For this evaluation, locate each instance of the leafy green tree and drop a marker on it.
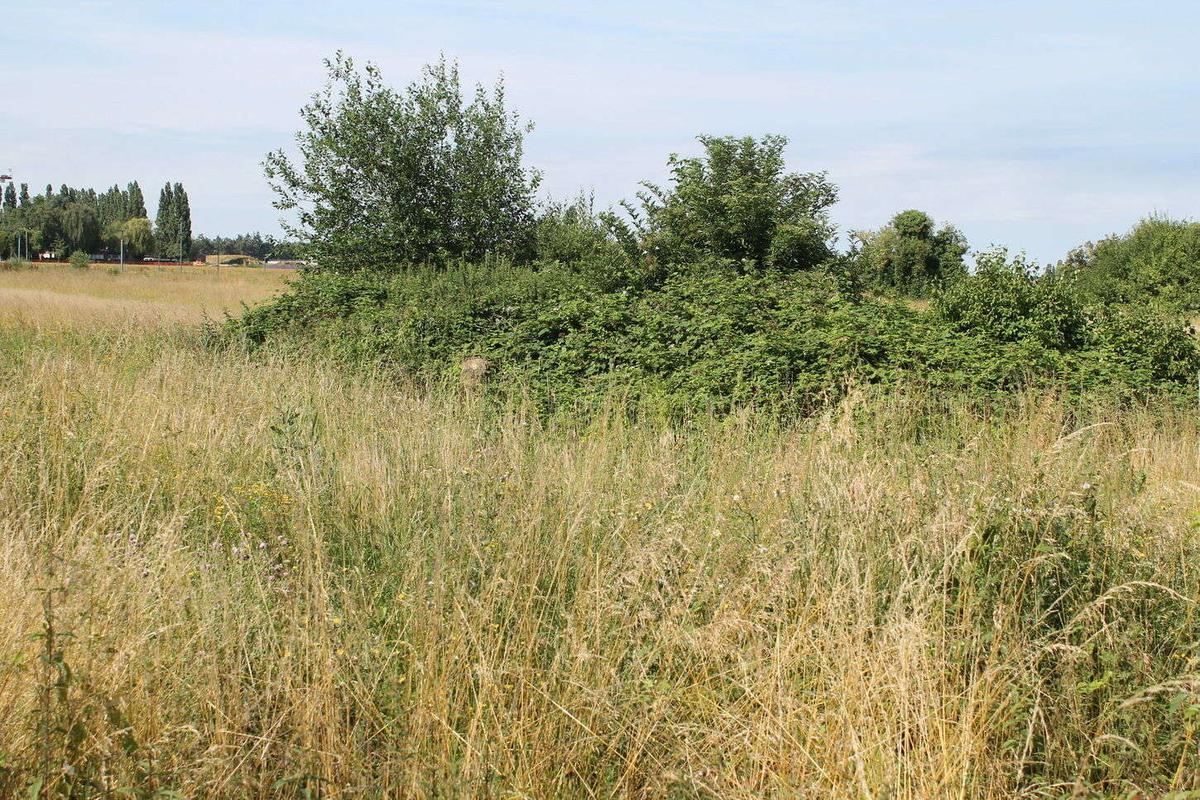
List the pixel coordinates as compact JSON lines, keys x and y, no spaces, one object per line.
{"x":42,"y":219}
{"x":80,"y":228}
{"x":139,"y":239}
{"x":737,"y":202}
{"x":909,"y":255}
{"x":183,"y":219}
{"x":1158,"y":258}
{"x":10,"y":197}
{"x":135,"y":205}
{"x":24,"y":195}
{"x":167,"y":224}
{"x":136,"y":235}
{"x":388,"y":177}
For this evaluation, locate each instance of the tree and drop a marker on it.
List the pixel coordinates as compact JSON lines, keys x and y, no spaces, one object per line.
{"x":24,"y":196}
{"x":183,"y":220}
{"x":135,"y":234}
{"x":135,"y":205}
{"x":737,"y":202}
{"x":1159,"y":258}
{"x":10,"y":197}
{"x":166,"y":224}
{"x":909,"y":255}
{"x":389,"y":177}
{"x":80,"y":228}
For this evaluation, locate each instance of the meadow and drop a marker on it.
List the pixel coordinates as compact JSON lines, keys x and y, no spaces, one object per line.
{"x":225,"y":575}
{"x":57,"y":295}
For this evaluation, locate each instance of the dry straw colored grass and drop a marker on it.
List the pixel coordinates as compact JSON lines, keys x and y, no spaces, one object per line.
{"x":269,"y":578}
{"x":57,"y":295}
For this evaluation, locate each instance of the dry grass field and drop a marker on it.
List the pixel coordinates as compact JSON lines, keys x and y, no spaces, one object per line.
{"x":57,"y":295}
{"x":224,"y":576}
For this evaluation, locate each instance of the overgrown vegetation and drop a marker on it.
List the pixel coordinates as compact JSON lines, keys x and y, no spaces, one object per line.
{"x":910,"y":256}
{"x":720,"y":288}
{"x":226,"y":578}
{"x":1159,"y":258}
{"x":881,"y":525}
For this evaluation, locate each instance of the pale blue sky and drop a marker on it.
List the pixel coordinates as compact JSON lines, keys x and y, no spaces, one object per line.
{"x":1037,"y":125}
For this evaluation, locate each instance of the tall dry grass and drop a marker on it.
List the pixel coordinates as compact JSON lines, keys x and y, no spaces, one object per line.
{"x":235,"y":578}
{"x":57,"y":296}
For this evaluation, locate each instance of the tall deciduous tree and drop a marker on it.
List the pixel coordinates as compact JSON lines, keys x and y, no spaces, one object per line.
{"x":10,"y":197}
{"x":183,"y":218}
{"x":388,"y":177}
{"x":166,"y":224}
{"x":135,"y":206}
{"x":80,"y":228}
{"x":910,"y":255}
{"x":139,"y":239}
{"x":737,"y":202}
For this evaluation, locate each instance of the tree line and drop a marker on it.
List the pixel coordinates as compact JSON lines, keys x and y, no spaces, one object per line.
{"x":99,"y":223}
{"x":254,"y":244}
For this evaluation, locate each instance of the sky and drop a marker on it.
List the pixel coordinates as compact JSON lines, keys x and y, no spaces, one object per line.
{"x":1033,"y":125}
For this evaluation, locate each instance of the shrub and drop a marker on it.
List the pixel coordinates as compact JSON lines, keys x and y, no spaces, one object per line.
{"x":80,"y":260}
{"x":909,"y":256}
{"x":1159,"y":258}
{"x":572,"y":234}
{"x":1141,"y":347}
{"x":711,"y":337}
{"x":1006,"y":301}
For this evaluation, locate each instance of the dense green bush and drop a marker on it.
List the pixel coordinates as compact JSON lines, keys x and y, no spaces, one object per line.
{"x":576,"y":237}
{"x":1159,"y":258}
{"x":908,"y":255}
{"x":80,"y":260}
{"x":712,"y":336}
{"x":1007,"y":301}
